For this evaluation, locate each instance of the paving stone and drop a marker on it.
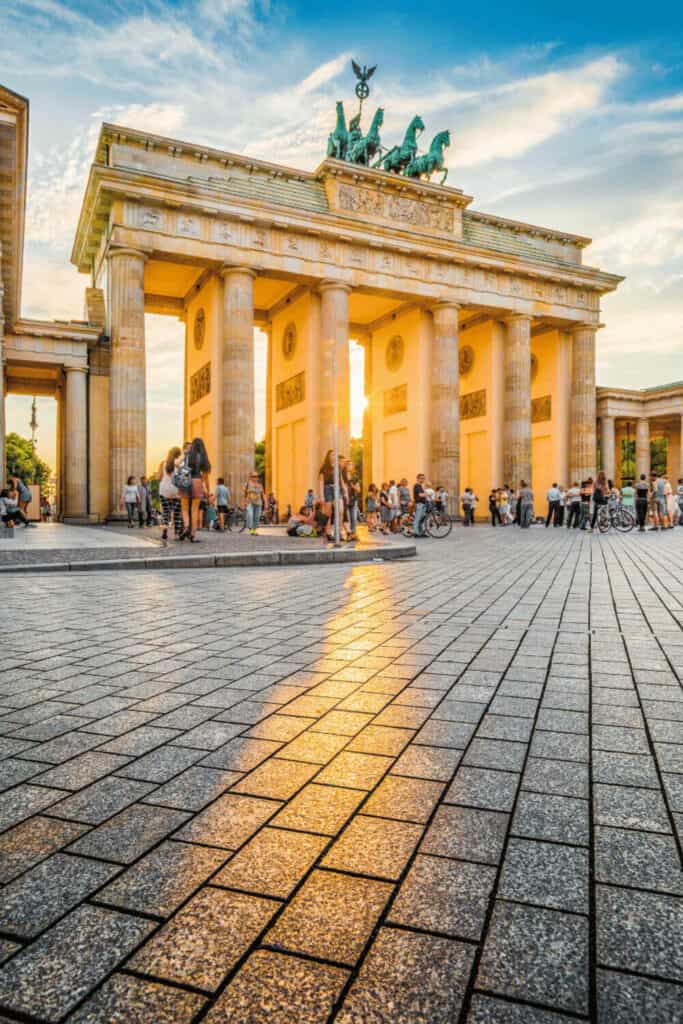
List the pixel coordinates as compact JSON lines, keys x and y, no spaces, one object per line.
{"x":486,"y":1010}
{"x":139,"y":741}
{"x":423,"y":762}
{"x":670,"y":756}
{"x":49,"y":977}
{"x":15,"y":770}
{"x":505,"y":727}
{"x":446,"y":896}
{"x":640,"y":932}
{"x":23,"y":801}
{"x":483,"y":787}
{"x":47,"y":891}
{"x":96,"y":803}
{"x":404,"y":799}
{"x":127,"y":835}
{"x":314,"y":747}
{"x":163,"y":879}
{"x":280,"y":727}
{"x":48,"y":729}
{"x":628,"y":741}
{"x":501,"y":754}
{"x":673,"y":784}
{"x":404,"y":716}
{"x":546,"y":874}
{"x":624,"y":999}
{"x":378,"y":739}
{"x":278,"y":779}
{"x":82,"y":770}
{"x":205,"y":939}
{"x":408,"y":978}
{"x":554,"y":720}
{"x":459,"y":711}
{"x":323,"y":809}
{"x":272,"y":863}
{"x":561,"y":746}
{"x":194,"y":788}
{"x":545,"y":816}
{"x":358,"y":771}
{"x":441,"y":733}
{"x":331,"y":917}
{"x":241,"y":754}
{"x":467,"y":833}
{"x":537,"y":955}
{"x":628,"y":807}
{"x":118,"y":723}
{"x":640,"y":859}
{"x":373,"y":846}
{"x":624,"y":769}
{"x":519,"y":706}
{"x":161,"y":764}
{"x":125,"y":999}
{"x":63,"y":747}
{"x":561,"y":778}
{"x":279,"y":989}
{"x":229,"y":821}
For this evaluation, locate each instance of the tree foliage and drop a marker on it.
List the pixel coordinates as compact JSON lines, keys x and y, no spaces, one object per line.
{"x":260,"y":459}
{"x":21,"y":460}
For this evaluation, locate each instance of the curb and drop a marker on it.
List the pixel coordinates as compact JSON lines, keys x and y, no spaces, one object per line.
{"x":325,"y":556}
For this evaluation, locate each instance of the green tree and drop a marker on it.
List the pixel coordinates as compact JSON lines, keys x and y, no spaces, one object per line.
{"x":356,"y":455}
{"x":21,"y":460}
{"x":260,"y":460}
{"x":659,"y":449}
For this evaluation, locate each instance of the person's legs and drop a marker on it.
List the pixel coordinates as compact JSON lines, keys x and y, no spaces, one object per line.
{"x":551,"y":510}
{"x":418,"y":522}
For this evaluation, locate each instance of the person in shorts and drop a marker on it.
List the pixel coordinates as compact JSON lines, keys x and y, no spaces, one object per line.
{"x":222,"y":503}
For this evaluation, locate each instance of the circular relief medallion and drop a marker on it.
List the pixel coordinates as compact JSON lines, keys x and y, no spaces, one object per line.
{"x":466,"y":359}
{"x":289,"y":341}
{"x":199,"y":328}
{"x":395,"y":352}
{"x":534,"y":366}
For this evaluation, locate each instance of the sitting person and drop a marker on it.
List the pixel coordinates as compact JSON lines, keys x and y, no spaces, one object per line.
{"x":302,"y":525}
{"x":10,"y":513}
{"x":321,"y":521}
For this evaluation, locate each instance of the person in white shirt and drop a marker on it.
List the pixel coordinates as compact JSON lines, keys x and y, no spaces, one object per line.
{"x":131,"y":500}
{"x":573,"y":499}
{"x":394,"y":505}
{"x":554,"y":499}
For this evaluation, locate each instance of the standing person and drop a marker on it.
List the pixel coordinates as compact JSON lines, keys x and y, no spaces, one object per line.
{"x":653,"y":503}
{"x":494,"y":510}
{"x":197,"y":462}
{"x":130,"y":500}
{"x":326,"y":488}
{"x":24,"y":495}
{"x":253,"y":496}
{"x":628,"y":497}
{"x":526,"y":500}
{"x":600,"y":496}
{"x":563,"y":504}
{"x":169,"y":496}
{"x":586,"y":495}
{"x":554,"y":498}
{"x":222,"y":503}
{"x":574,"y":506}
{"x":394,"y":505}
{"x":642,"y":499}
{"x":504,"y":505}
{"x":420,"y":502}
{"x":384,"y":508}
{"x":353,"y":491}
{"x":309,"y":500}
{"x":144,"y":503}
{"x":403,"y":497}
{"x":271,"y":505}
{"x":371,"y":508}
{"x":662,"y":504}
{"x":679,"y":495}
{"x":469,"y":504}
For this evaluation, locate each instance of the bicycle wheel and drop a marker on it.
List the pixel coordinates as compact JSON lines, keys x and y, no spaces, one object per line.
{"x":603,"y":520}
{"x":624,"y":521}
{"x":238,"y":520}
{"x":438,"y":524}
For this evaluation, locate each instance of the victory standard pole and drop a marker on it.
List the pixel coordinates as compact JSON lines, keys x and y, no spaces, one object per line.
{"x":335,"y":446}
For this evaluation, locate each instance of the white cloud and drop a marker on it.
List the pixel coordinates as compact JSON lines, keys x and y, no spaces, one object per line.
{"x":324,"y":73}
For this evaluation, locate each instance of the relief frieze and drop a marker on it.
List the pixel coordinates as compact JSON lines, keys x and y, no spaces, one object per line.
{"x":396,"y":400}
{"x":473,"y":405}
{"x":541,"y":409}
{"x":291,"y":391}
{"x":200,"y":383}
{"x":401,"y":209}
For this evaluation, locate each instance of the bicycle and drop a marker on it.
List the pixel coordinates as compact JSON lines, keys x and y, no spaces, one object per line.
{"x":236,"y":520}
{"x":437,"y":523}
{"x":620,"y":518}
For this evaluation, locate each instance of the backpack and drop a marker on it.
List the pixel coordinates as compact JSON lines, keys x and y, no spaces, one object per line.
{"x":182,"y":478}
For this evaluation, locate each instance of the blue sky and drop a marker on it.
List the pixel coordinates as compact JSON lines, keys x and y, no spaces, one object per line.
{"x":565,"y":115}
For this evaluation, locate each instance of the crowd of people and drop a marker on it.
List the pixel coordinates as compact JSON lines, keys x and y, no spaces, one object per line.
{"x":15,"y":499}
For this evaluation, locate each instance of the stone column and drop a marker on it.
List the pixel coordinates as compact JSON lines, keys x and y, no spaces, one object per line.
{"x":238,"y":376}
{"x":680,"y":453}
{"x":76,"y":444}
{"x":367,"y":413}
{"x":444,"y":413}
{"x":127,"y":383}
{"x":583,"y":419}
{"x":269,"y":407}
{"x":608,"y":446}
{"x":334,"y":367}
{"x":517,"y":403}
{"x":2,"y":400}
{"x":643,"y":446}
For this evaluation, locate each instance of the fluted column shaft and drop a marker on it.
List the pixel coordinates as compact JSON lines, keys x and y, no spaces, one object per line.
{"x":607,"y":446}
{"x":367,"y":414}
{"x":583,"y":454}
{"x":127,"y":383}
{"x":680,"y":453}
{"x":334,"y":392}
{"x":76,"y":443}
{"x":444,"y":414}
{"x":2,"y":398}
{"x":517,"y":402}
{"x":269,"y":408}
{"x":238,"y":376}
{"x":643,"y":446}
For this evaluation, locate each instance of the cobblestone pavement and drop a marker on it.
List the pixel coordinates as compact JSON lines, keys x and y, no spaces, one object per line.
{"x":446,"y":790}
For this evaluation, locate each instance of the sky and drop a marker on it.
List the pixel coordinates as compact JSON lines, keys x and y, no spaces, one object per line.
{"x":569,"y":116}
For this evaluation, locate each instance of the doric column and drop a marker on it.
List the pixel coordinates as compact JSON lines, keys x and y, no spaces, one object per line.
{"x":583,"y":426}
{"x":76,"y":444}
{"x":2,"y":398}
{"x":238,"y":376}
{"x":680,"y":453}
{"x":517,"y":404}
{"x":269,"y":407}
{"x":444,"y":413}
{"x":608,"y":446}
{"x":367,"y":413}
{"x":643,"y":446}
{"x":127,"y":384}
{"x":333,"y":388}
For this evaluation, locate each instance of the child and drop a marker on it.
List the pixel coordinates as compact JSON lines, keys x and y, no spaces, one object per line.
{"x":430,"y":492}
{"x":371,"y":508}
{"x":253,"y":494}
{"x":210,"y":515}
{"x":504,"y":506}
{"x":222,"y":503}
{"x":130,"y":498}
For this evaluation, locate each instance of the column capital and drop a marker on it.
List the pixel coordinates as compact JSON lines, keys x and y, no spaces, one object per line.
{"x":575,"y":328}
{"x":124,"y":250}
{"x":514,"y":318}
{"x":329,"y":285}
{"x":226,"y":270}
{"x":445,"y":304}
{"x":75,"y":369}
